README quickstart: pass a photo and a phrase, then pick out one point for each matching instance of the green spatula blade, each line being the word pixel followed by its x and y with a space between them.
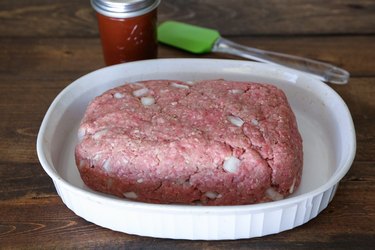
pixel 187 37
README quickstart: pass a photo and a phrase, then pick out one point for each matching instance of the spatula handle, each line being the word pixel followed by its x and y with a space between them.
pixel 323 71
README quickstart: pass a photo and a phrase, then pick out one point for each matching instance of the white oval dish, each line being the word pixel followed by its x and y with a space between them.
pixel 323 118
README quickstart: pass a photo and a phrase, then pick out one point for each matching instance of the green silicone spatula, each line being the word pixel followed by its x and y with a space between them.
pixel 202 40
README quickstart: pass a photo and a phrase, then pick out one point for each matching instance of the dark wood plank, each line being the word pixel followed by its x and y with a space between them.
pixel 70 18
pixel 45 18
pixel 64 58
pixel 344 224
pixel 275 17
pixel 22 181
pixel 359 96
pixel 49 58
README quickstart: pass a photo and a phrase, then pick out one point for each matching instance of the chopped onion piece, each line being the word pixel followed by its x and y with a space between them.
pixel 81 134
pixel 236 91
pixel 140 92
pixel 147 101
pixel 106 165
pixel 291 189
pixel 131 195
pixel 140 180
pixel 235 120
pixel 180 86
pixel 99 134
pixel 139 84
pixel 118 95
pixel 273 195
pixel 190 82
pixel 231 164
pixel 211 195
pixel 254 122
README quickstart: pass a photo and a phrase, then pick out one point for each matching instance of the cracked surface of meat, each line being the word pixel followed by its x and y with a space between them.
pixel 173 150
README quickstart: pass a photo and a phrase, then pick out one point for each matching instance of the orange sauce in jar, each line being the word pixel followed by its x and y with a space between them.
pixel 127 29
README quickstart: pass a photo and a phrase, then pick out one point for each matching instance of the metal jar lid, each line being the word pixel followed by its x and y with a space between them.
pixel 124 8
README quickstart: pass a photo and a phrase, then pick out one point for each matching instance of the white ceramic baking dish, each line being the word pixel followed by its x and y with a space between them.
pixel 323 118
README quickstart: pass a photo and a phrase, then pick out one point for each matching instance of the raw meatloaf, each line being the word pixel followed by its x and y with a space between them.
pixel 211 142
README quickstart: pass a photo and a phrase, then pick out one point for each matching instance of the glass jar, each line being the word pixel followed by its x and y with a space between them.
pixel 127 29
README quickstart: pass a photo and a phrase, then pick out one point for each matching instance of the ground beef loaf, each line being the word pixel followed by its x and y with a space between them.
pixel 211 142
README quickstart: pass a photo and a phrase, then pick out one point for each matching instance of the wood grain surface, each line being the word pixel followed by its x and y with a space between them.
pixel 45 45
pixel 72 18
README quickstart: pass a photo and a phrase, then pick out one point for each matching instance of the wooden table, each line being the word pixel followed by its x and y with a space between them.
pixel 45 45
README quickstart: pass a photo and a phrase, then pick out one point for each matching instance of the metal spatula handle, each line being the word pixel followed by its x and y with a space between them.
pixel 323 71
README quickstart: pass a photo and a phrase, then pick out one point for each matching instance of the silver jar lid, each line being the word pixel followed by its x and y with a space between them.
pixel 124 8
